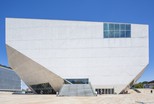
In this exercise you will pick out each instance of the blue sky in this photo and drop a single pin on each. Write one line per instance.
(129, 11)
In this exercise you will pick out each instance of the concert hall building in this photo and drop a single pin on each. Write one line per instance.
(54, 55)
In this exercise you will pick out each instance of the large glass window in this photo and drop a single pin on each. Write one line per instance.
(79, 81)
(117, 30)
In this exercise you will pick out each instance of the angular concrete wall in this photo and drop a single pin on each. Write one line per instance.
(75, 49)
(31, 72)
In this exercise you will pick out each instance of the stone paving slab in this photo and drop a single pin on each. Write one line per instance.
(100, 99)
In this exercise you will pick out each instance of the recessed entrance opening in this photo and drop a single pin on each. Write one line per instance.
(101, 91)
(79, 81)
(44, 88)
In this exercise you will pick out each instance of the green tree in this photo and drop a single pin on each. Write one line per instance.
(139, 85)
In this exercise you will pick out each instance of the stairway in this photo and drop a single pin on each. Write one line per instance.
(76, 90)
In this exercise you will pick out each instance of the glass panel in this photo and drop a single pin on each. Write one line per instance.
(122, 27)
(127, 33)
(102, 91)
(106, 34)
(112, 91)
(111, 26)
(116, 33)
(105, 91)
(116, 26)
(111, 34)
(9, 79)
(43, 88)
(106, 26)
(79, 81)
(128, 27)
(117, 30)
(122, 33)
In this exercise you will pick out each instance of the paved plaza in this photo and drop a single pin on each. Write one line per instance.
(136, 98)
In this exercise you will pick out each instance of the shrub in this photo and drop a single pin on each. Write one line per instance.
(139, 85)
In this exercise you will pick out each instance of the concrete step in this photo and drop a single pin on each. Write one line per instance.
(76, 90)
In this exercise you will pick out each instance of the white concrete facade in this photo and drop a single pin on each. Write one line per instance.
(77, 49)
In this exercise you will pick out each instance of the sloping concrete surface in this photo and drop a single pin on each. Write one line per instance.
(76, 90)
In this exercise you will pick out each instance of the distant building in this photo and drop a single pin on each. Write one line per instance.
(9, 80)
(149, 84)
(47, 54)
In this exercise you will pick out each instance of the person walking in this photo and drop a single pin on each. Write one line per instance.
(151, 91)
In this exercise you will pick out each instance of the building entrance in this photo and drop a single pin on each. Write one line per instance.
(101, 91)
(44, 88)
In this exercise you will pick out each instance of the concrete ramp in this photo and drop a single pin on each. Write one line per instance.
(76, 90)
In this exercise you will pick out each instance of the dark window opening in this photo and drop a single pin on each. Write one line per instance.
(44, 88)
(101, 91)
(79, 81)
(117, 30)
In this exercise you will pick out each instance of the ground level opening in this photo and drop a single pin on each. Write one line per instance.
(101, 91)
